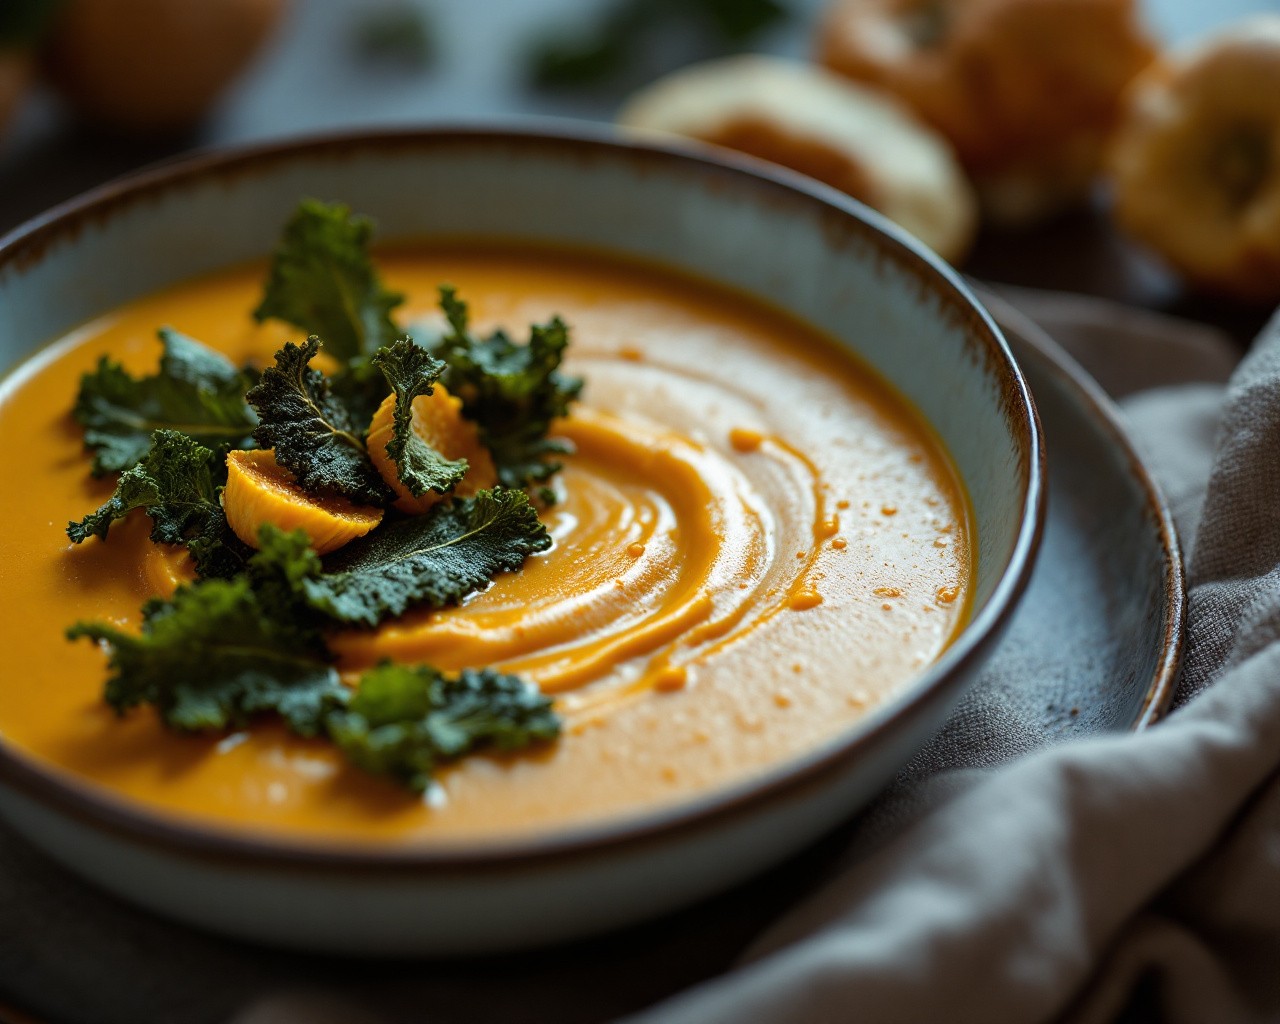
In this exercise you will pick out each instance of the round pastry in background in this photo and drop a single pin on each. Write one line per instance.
(1196, 163)
(153, 67)
(803, 117)
(1027, 91)
(15, 77)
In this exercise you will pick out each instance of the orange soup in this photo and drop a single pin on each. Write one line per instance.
(755, 543)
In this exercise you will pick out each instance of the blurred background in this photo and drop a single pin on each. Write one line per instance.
(90, 89)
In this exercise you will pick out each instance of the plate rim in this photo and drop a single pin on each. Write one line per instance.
(1021, 329)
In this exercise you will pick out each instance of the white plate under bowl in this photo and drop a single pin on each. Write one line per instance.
(811, 251)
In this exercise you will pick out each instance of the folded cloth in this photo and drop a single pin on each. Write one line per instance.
(1067, 885)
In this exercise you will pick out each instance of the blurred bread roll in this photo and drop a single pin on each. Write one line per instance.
(803, 117)
(1196, 162)
(153, 67)
(1027, 91)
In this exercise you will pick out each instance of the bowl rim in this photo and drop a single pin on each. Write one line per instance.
(189, 836)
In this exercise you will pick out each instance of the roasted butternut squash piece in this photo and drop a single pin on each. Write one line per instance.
(439, 423)
(259, 491)
(1195, 164)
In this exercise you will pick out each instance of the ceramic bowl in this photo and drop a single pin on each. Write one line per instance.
(812, 251)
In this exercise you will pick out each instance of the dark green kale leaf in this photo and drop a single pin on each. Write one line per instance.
(196, 392)
(434, 559)
(323, 281)
(411, 371)
(222, 651)
(404, 720)
(311, 431)
(177, 483)
(513, 392)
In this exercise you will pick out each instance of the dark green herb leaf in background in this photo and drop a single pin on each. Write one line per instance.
(567, 58)
(739, 21)
(311, 431)
(404, 720)
(512, 392)
(196, 392)
(580, 60)
(624, 42)
(434, 559)
(411, 371)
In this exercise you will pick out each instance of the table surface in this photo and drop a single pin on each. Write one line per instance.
(312, 79)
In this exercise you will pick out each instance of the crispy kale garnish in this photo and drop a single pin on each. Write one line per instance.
(177, 484)
(411, 371)
(323, 281)
(249, 637)
(513, 392)
(404, 720)
(222, 651)
(434, 559)
(311, 431)
(196, 392)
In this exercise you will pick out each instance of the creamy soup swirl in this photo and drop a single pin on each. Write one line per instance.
(755, 542)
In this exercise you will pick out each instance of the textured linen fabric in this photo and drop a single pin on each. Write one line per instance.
(1124, 878)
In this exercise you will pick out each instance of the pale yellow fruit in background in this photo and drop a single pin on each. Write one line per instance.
(806, 118)
(1027, 91)
(151, 67)
(1196, 163)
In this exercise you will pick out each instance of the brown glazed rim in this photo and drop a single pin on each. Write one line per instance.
(1163, 686)
(194, 840)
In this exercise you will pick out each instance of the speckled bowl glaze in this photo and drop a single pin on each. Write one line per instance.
(812, 251)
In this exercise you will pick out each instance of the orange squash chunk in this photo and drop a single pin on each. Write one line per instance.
(438, 421)
(259, 490)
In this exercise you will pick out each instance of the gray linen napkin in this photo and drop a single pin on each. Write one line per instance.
(1059, 886)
